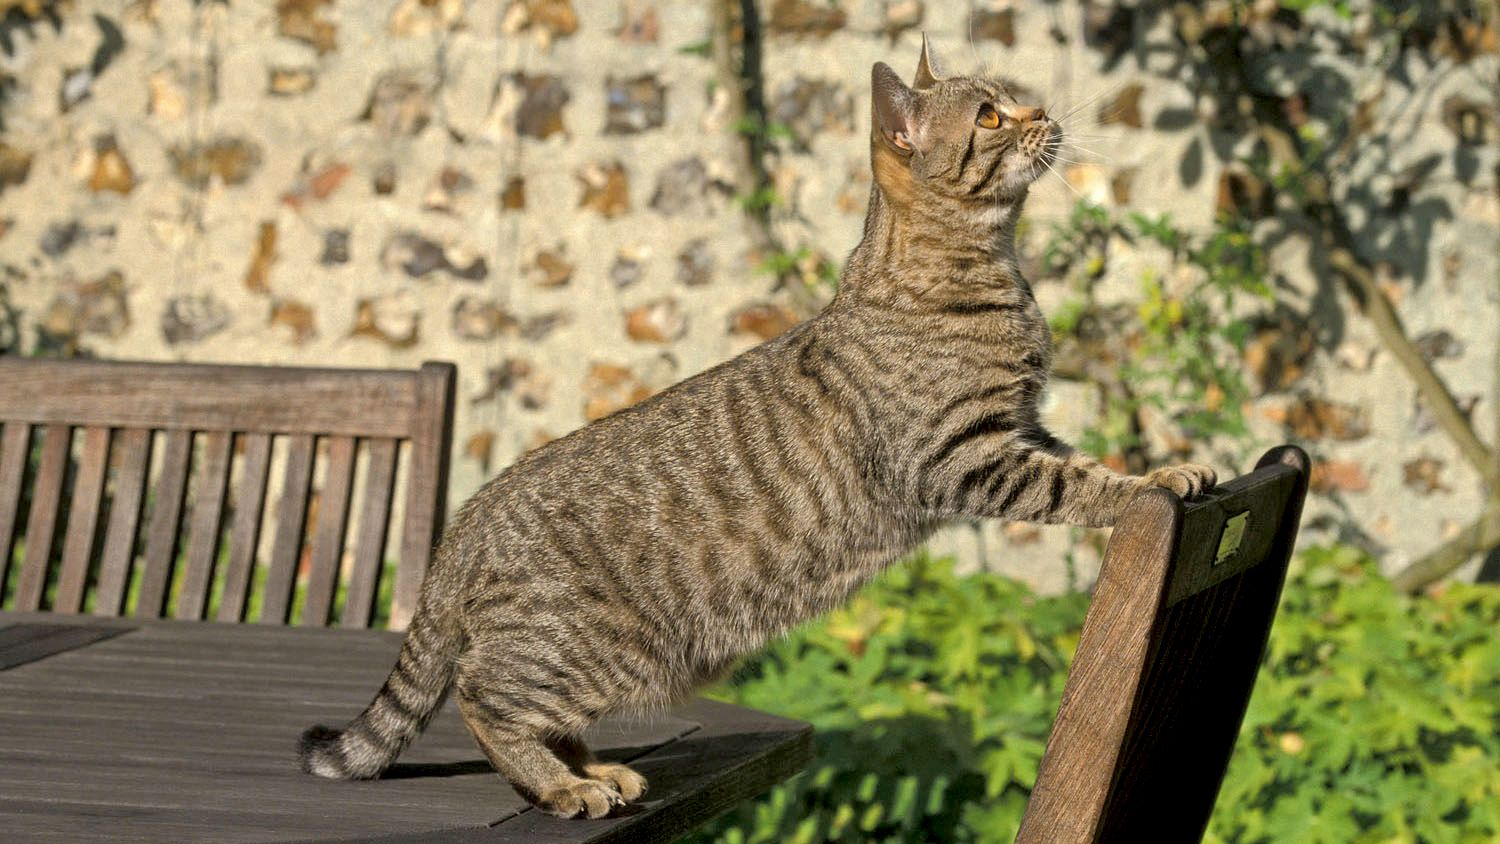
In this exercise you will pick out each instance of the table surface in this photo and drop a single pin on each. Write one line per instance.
(187, 731)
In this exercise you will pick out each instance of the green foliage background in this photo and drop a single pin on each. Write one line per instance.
(1376, 717)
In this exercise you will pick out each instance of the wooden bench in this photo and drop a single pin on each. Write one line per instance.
(137, 728)
(214, 430)
(1168, 656)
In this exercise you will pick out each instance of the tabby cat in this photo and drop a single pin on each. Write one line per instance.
(625, 565)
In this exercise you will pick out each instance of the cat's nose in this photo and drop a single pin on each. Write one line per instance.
(1023, 114)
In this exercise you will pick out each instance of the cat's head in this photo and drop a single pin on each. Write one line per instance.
(960, 141)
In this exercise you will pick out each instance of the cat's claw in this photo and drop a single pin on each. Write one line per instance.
(1187, 480)
(625, 781)
(588, 798)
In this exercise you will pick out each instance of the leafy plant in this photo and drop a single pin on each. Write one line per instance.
(1374, 718)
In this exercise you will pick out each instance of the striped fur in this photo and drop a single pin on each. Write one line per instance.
(623, 566)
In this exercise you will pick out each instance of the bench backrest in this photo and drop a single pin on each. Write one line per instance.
(141, 488)
(1166, 662)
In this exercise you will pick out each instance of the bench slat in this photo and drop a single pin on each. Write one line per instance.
(133, 452)
(41, 523)
(15, 447)
(328, 536)
(204, 525)
(291, 523)
(83, 521)
(369, 548)
(244, 533)
(166, 519)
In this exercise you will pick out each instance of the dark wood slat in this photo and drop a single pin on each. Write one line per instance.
(210, 397)
(41, 523)
(166, 518)
(83, 521)
(204, 525)
(133, 453)
(23, 643)
(328, 535)
(426, 485)
(291, 524)
(15, 447)
(244, 534)
(374, 524)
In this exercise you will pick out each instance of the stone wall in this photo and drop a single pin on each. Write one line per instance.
(541, 191)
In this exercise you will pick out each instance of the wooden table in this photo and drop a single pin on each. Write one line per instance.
(186, 731)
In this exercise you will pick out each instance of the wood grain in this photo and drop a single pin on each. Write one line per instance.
(166, 521)
(328, 535)
(165, 396)
(83, 521)
(374, 524)
(426, 485)
(244, 532)
(41, 523)
(1166, 663)
(15, 448)
(291, 525)
(133, 452)
(211, 488)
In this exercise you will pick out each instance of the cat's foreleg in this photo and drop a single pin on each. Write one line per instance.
(1037, 478)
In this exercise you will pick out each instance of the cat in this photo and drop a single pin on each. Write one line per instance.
(627, 564)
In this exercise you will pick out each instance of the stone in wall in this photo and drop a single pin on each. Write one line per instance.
(296, 316)
(316, 185)
(762, 320)
(290, 81)
(901, 16)
(638, 23)
(335, 248)
(182, 87)
(605, 188)
(634, 105)
(392, 319)
(1439, 344)
(811, 106)
(107, 168)
(535, 103)
(1313, 418)
(536, 328)
(545, 20)
(412, 18)
(400, 103)
(658, 321)
(193, 318)
(258, 275)
(481, 447)
(305, 21)
(419, 256)
(480, 319)
(1124, 108)
(383, 180)
(97, 307)
(609, 386)
(231, 159)
(15, 166)
(520, 377)
(686, 187)
(695, 263)
(448, 186)
(513, 195)
(994, 25)
(1424, 474)
(804, 17)
(1335, 476)
(551, 267)
(629, 265)
(58, 238)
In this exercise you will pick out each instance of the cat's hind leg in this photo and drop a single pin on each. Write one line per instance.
(521, 754)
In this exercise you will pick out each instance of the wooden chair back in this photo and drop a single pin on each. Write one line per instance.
(1167, 659)
(150, 479)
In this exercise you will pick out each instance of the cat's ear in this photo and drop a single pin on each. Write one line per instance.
(893, 107)
(928, 69)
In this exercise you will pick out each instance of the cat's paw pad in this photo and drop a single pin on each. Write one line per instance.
(1186, 480)
(586, 798)
(627, 782)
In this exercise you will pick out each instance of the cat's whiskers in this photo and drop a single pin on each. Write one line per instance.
(1087, 101)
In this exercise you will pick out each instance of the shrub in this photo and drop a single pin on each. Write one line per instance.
(1374, 719)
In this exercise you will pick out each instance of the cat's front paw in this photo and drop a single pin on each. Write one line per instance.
(1186, 480)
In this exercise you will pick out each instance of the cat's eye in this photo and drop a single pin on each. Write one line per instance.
(988, 118)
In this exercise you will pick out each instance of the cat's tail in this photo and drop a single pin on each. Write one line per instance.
(412, 694)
